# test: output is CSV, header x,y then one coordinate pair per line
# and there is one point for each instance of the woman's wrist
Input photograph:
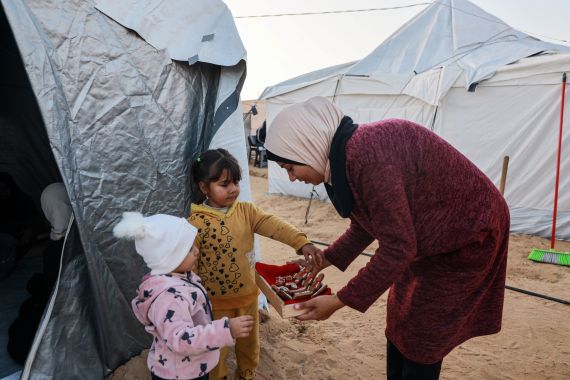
x,y
338,303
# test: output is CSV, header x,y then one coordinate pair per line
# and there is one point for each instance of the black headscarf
x,y
339,191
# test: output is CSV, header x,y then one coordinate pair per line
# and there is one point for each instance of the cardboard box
x,y
264,277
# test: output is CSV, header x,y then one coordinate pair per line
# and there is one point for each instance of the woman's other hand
x,y
319,308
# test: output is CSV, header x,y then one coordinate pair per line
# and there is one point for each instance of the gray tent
x,y
113,98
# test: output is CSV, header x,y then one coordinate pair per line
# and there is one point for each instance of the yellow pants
x,y
246,349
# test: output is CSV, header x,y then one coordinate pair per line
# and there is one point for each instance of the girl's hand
x,y
313,256
319,308
313,267
240,327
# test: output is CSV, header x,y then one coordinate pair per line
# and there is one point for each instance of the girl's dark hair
x,y
209,166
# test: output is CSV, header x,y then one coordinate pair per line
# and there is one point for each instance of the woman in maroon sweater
x,y
441,224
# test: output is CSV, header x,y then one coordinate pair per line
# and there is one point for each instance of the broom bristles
x,y
550,256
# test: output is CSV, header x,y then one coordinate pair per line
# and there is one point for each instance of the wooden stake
x,y
504,175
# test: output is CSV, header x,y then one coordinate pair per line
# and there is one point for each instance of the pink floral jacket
x,y
175,310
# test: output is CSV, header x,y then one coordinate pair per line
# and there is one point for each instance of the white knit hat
x,y
162,240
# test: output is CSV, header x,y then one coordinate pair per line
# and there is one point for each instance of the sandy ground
x,y
533,344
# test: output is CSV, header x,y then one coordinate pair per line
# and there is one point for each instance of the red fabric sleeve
x,y
349,246
382,192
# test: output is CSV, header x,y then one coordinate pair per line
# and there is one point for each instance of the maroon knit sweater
x,y
443,231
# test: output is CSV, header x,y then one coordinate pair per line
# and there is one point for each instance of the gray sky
x,y
279,48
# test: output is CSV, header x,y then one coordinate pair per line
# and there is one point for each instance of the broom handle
x,y
552,240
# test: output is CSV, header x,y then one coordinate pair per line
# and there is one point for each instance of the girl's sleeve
x,y
273,227
173,321
384,192
349,246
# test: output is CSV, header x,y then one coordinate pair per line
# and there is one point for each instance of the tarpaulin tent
x,y
485,87
114,98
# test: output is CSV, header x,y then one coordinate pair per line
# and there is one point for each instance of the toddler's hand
x,y
240,327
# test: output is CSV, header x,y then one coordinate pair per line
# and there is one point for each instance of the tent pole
x,y
551,256
552,240
337,87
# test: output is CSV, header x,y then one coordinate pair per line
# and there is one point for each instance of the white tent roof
x,y
454,35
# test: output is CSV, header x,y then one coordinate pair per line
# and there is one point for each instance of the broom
x,y
551,256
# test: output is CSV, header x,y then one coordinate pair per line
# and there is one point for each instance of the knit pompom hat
x,y
162,240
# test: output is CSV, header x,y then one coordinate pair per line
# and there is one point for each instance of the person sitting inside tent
x,y
261,133
20,223
57,210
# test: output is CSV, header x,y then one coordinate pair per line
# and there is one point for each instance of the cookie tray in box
x,y
265,275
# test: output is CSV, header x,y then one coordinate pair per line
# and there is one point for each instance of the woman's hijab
x,y
303,133
57,209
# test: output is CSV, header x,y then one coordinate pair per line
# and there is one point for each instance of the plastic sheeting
x,y
191,30
123,121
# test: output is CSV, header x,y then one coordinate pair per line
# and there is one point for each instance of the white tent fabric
x,y
485,87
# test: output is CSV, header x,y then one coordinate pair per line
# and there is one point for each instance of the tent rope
x,y
527,292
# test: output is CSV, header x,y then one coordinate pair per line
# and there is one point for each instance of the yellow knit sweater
x,y
227,258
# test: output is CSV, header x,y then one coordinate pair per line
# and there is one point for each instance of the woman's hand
x,y
319,308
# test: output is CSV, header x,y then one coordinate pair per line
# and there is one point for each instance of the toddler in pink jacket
x,y
171,302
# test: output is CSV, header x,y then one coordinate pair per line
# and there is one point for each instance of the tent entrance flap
x,y
27,166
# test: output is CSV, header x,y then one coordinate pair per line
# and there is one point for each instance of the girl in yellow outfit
x,y
226,228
